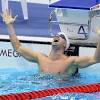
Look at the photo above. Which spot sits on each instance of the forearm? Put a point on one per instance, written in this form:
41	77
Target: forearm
26	53
97	53
13	38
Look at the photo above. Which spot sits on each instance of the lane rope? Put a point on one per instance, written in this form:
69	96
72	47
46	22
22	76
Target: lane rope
88	88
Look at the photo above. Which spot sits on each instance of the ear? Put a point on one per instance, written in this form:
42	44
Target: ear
64	45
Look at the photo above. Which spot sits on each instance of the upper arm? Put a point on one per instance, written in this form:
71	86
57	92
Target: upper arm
84	61
29	54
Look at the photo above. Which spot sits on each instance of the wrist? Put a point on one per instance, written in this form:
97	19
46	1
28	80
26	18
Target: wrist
10	28
8	25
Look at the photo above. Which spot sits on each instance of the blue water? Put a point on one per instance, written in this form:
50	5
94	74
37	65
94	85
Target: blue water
15	80
73	96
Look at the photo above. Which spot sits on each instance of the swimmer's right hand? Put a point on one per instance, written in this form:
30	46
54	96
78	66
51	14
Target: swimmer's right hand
7	17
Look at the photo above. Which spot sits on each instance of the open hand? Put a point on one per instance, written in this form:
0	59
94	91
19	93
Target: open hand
98	31
7	17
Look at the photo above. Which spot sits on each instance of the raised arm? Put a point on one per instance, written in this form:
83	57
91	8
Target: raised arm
25	52
97	53
85	61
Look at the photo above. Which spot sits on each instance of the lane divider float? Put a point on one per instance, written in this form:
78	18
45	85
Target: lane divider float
88	88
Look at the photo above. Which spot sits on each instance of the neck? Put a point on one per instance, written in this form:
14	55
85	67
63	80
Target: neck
56	54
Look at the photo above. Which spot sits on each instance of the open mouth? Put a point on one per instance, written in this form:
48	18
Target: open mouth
56	39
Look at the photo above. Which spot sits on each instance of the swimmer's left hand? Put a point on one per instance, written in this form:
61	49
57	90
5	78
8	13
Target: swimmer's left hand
98	31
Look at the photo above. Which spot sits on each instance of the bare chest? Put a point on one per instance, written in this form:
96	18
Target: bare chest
54	66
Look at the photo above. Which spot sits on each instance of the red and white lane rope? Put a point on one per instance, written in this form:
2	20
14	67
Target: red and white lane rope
48	92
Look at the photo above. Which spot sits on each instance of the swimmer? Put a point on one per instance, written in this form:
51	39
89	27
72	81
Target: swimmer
56	62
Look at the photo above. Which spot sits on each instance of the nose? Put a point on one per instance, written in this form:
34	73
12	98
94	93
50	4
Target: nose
56	37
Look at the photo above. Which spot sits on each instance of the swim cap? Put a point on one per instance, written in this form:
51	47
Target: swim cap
67	40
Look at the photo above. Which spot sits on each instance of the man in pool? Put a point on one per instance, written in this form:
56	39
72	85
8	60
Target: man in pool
56	62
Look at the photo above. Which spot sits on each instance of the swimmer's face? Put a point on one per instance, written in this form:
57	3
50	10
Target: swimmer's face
59	40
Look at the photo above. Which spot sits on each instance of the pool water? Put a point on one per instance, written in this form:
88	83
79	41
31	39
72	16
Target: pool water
15	80
73	96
